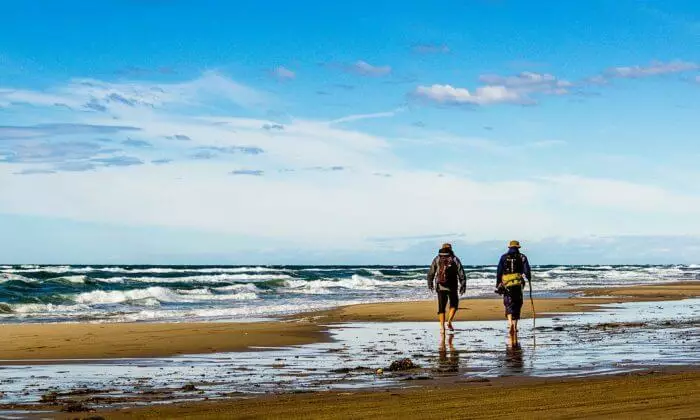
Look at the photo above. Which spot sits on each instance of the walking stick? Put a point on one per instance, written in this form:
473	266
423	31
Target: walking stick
534	315
532	305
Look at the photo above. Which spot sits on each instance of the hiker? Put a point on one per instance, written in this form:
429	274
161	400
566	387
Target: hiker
513	268
446	277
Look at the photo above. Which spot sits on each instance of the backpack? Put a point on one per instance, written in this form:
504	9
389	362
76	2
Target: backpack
514	264
446	268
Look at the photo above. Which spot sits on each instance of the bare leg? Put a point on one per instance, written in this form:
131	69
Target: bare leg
453	312
441	318
511	326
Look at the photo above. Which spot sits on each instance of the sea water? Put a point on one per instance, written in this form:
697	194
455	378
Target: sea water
51	293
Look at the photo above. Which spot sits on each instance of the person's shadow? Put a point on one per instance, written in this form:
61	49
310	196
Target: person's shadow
448	362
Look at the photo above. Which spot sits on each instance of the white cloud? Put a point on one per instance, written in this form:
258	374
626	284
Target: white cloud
484	95
528	81
654	69
302	206
498	89
283	73
366	69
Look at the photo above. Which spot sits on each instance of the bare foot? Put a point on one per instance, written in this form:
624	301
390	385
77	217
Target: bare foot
442	328
450	327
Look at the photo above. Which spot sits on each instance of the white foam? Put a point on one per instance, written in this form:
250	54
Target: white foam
10	276
160	294
214	278
47	308
73	279
356	282
238	287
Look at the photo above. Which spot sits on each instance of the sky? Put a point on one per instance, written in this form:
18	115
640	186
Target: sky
311	132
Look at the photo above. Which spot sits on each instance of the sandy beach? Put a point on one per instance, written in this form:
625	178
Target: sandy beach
373	335
21	342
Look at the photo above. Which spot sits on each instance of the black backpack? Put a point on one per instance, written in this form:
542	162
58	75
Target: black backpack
514	263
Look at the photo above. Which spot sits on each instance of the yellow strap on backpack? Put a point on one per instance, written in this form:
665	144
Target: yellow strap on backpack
514	279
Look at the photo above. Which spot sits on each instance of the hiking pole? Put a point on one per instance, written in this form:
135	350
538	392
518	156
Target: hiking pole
534	315
532	305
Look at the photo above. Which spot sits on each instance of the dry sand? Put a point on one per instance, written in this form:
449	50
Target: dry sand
492	308
24	342
20	342
645	396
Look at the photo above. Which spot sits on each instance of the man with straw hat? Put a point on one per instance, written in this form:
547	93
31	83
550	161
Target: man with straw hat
513	268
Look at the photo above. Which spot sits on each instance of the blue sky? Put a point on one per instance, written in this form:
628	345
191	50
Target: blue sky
159	131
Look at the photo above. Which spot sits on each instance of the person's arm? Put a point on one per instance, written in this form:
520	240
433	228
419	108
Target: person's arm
431	274
462	277
499	271
528	271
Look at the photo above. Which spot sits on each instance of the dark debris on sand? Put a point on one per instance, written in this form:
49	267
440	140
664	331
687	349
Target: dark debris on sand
402	364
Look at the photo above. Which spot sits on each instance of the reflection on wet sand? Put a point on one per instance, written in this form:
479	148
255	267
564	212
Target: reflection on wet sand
513	362
448	362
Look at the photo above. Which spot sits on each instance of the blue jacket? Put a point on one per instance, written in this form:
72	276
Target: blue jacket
526	265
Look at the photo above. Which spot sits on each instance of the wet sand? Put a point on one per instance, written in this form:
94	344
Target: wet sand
642	395
26	342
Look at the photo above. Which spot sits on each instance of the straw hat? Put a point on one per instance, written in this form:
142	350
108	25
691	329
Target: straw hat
514	244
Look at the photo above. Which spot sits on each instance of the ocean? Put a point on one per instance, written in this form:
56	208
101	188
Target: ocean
75	293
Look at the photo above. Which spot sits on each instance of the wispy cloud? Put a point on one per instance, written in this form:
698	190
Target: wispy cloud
16	132
529	82
181	137
358	117
365	69
141	144
101	96
161	161
50	152
35	172
431	49
655	68
248	172
84	166
118	161
211	152
272	126
283	73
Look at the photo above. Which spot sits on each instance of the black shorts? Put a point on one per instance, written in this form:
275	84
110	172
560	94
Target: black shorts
513	301
444	296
